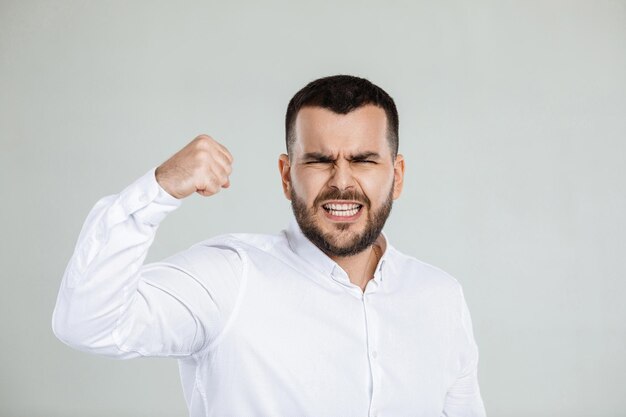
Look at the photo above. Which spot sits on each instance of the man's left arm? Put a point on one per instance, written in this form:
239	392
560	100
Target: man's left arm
463	398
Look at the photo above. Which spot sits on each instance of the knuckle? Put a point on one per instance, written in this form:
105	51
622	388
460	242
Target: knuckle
218	169
203	137
203	142
200	159
209	186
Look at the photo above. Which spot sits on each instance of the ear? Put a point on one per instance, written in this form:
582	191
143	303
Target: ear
398	176
285	174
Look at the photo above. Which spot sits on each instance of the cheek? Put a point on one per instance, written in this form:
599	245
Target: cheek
307	185
377	188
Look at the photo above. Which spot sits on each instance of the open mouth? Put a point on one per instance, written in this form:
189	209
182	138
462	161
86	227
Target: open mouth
342	210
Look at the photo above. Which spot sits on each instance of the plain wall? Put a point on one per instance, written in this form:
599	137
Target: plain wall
512	123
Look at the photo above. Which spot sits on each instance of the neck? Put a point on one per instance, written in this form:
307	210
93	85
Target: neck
360	267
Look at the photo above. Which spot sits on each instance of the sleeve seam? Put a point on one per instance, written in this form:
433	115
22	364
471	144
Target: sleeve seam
233	315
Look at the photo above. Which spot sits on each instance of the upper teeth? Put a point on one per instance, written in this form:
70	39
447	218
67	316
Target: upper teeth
342	206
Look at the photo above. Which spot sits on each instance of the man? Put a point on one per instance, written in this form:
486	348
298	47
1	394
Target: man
324	319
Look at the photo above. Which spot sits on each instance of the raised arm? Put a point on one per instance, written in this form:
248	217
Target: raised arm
110	303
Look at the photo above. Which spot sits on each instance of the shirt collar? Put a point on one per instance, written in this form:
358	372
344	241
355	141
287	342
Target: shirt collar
307	250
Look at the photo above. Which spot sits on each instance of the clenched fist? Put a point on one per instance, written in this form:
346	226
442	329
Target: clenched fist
202	166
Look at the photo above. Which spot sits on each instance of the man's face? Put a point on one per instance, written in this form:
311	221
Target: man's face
341	178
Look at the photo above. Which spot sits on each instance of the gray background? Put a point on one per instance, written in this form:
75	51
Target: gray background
512	124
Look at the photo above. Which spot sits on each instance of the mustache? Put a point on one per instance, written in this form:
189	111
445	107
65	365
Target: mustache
336	194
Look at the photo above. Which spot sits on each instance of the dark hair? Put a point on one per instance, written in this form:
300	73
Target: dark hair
342	94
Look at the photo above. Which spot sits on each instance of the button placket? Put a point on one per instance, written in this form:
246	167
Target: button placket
370	320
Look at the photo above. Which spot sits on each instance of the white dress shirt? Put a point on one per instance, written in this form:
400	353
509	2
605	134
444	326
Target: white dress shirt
268	325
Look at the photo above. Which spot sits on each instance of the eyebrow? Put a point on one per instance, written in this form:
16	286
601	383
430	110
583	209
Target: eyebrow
322	157
317	156
364	155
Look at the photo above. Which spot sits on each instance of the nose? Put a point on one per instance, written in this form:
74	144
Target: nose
341	176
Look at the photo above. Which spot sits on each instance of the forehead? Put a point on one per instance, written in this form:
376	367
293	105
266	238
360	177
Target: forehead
318	129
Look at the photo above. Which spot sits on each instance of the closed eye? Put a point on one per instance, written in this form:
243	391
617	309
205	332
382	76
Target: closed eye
365	158
318	162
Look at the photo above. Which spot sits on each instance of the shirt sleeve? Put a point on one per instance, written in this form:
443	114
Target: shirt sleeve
111	304
463	398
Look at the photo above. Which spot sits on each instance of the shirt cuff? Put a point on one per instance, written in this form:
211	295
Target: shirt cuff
147	201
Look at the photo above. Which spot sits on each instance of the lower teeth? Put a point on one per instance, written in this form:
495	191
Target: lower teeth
343	213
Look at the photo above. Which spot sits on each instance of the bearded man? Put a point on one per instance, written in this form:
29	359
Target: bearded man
325	318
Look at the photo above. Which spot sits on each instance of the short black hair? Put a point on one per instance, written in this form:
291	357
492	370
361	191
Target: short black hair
342	94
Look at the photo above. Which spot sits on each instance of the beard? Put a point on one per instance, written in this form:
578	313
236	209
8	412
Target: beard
330	243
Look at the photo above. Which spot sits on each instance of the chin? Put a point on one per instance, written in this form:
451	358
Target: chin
342	239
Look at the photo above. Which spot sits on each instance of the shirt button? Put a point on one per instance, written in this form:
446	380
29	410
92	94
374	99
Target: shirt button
143	198
374	354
